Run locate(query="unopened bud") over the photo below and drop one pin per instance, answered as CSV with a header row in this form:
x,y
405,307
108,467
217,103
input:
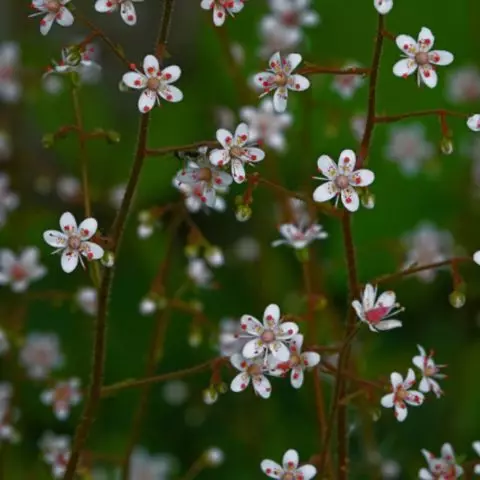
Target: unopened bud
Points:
x,y
457,299
368,200
48,140
222,388
214,256
191,251
214,457
147,306
108,259
113,137
243,213
122,86
446,146
195,337
210,396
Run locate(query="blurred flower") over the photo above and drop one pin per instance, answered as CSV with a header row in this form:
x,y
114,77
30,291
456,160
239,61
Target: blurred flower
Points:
x,y
443,468
74,59
476,447
430,371
40,355
383,6
86,298
210,396
268,338
149,467
73,242
69,188
230,341
199,272
127,9
473,122
175,392
409,148
476,257
116,194
238,53
347,85
155,83
4,344
265,125
341,180
290,469
294,14
279,77
193,202
390,469
299,237
52,84
402,395
19,271
426,244
357,124
63,396
297,363
8,201
5,139
276,37
376,314
148,306
10,87
204,179
224,117
235,149
214,457
54,11
146,224
214,256
8,415
56,452
419,55
221,8
464,85
250,370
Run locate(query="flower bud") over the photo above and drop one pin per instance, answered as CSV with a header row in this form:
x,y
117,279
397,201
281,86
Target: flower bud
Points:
x,y
122,86
222,388
210,395
195,337
191,251
112,137
144,231
457,299
446,146
214,256
243,213
48,140
368,200
214,457
144,216
108,259
147,306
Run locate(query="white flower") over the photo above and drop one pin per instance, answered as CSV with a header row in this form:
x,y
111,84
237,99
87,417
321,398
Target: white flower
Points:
x,y
40,355
19,271
69,188
127,9
247,249
357,125
294,14
148,306
229,339
204,179
250,370
73,241
145,466
4,344
276,37
214,457
473,122
214,256
430,371
199,272
56,452
74,59
443,468
54,11
268,338
409,148
299,237
62,396
402,395
8,201
419,55
175,392
347,85
383,6
265,125
476,257
377,313
155,83
86,298
221,8
10,87
464,85
279,77
235,151
476,447
297,363
193,200
289,469
342,180
116,194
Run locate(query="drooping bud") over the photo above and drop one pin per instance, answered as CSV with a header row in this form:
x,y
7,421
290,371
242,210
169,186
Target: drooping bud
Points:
x,y
446,146
368,200
112,137
210,395
108,259
457,299
214,256
243,213
214,457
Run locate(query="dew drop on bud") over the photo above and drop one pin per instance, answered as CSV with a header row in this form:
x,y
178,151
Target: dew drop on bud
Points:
x,y
457,299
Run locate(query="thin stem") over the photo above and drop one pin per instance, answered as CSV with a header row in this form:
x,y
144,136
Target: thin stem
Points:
x,y
421,113
312,70
158,152
197,466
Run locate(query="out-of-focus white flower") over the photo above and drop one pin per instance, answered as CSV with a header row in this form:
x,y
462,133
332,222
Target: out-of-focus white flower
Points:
x,y
443,468
476,447
199,272
56,452
10,87
409,148
341,181
247,249
427,244
116,195
9,201
402,395
390,469
175,392
8,415
4,344
224,117
476,257
69,188
430,372
299,237
238,53
19,271
52,84
347,85
383,6
377,313
473,122
276,37
63,396
5,140
265,125
214,457
289,468
419,55
357,124
229,339
74,59
154,83
149,467
250,370
279,77
148,305
214,256
54,11
127,9
40,355
73,242
86,298
294,14
463,85
221,8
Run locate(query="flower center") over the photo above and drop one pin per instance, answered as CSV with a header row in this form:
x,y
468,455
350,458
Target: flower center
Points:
x,y
430,371
53,6
204,174
236,151
254,370
421,58
153,83
74,242
268,336
290,18
342,182
280,79
295,359
401,394
288,476
18,272
62,394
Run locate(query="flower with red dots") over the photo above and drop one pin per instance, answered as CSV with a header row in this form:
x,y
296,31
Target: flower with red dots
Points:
x,y
473,122
347,85
419,55
279,77
54,11
383,6
74,59
155,83
377,313
62,397
402,395
235,151
430,372
443,468
299,237
204,178
269,337
342,180
289,469
56,452
221,8
297,363
20,271
73,242
10,86
250,370
127,9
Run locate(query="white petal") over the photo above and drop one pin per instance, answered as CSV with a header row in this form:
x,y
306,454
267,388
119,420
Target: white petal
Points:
x,y
241,134
325,192
407,44
350,199
425,39
251,325
171,93
327,167
287,330
383,6
293,60
150,65
238,362
418,361
310,359
396,379
219,15
359,309
296,377
221,179
308,471
386,299
290,459
440,57
428,75
275,62
238,171
147,101
262,386
447,452
280,351
280,99
422,351
298,83
476,447
64,17
103,6
424,474
368,297
20,285
405,67
240,382
385,325
207,4
296,343
134,80
224,137
87,228
346,162
409,379
92,251
8,259
400,413
473,124
415,398
264,80
271,316
362,178
55,239
253,349
219,157
128,14
387,400
69,260
68,223
253,154
271,469
171,74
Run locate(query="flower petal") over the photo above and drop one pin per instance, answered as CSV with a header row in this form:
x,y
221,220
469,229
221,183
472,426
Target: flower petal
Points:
x,y
290,460
103,6
296,343
387,400
428,75
280,99
241,134
401,412
396,379
253,348
346,162
240,382
171,93
219,15
65,17
253,154
447,452
275,62
358,309
350,199
292,61
238,171
238,362
310,359
425,39
296,377
409,379
440,57
405,67
224,137
264,80
147,101
473,124
262,386
325,192
219,157
279,350
386,299
88,228
151,66
171,74
8,259
327,167
55,239
385,325
424,474
407,44
287,330
128,14
92,250
362,178
46,23
383,6
68,224
271,316
134,80
368,296
271,469
298,83
69,260
251,325
307,471
415,398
